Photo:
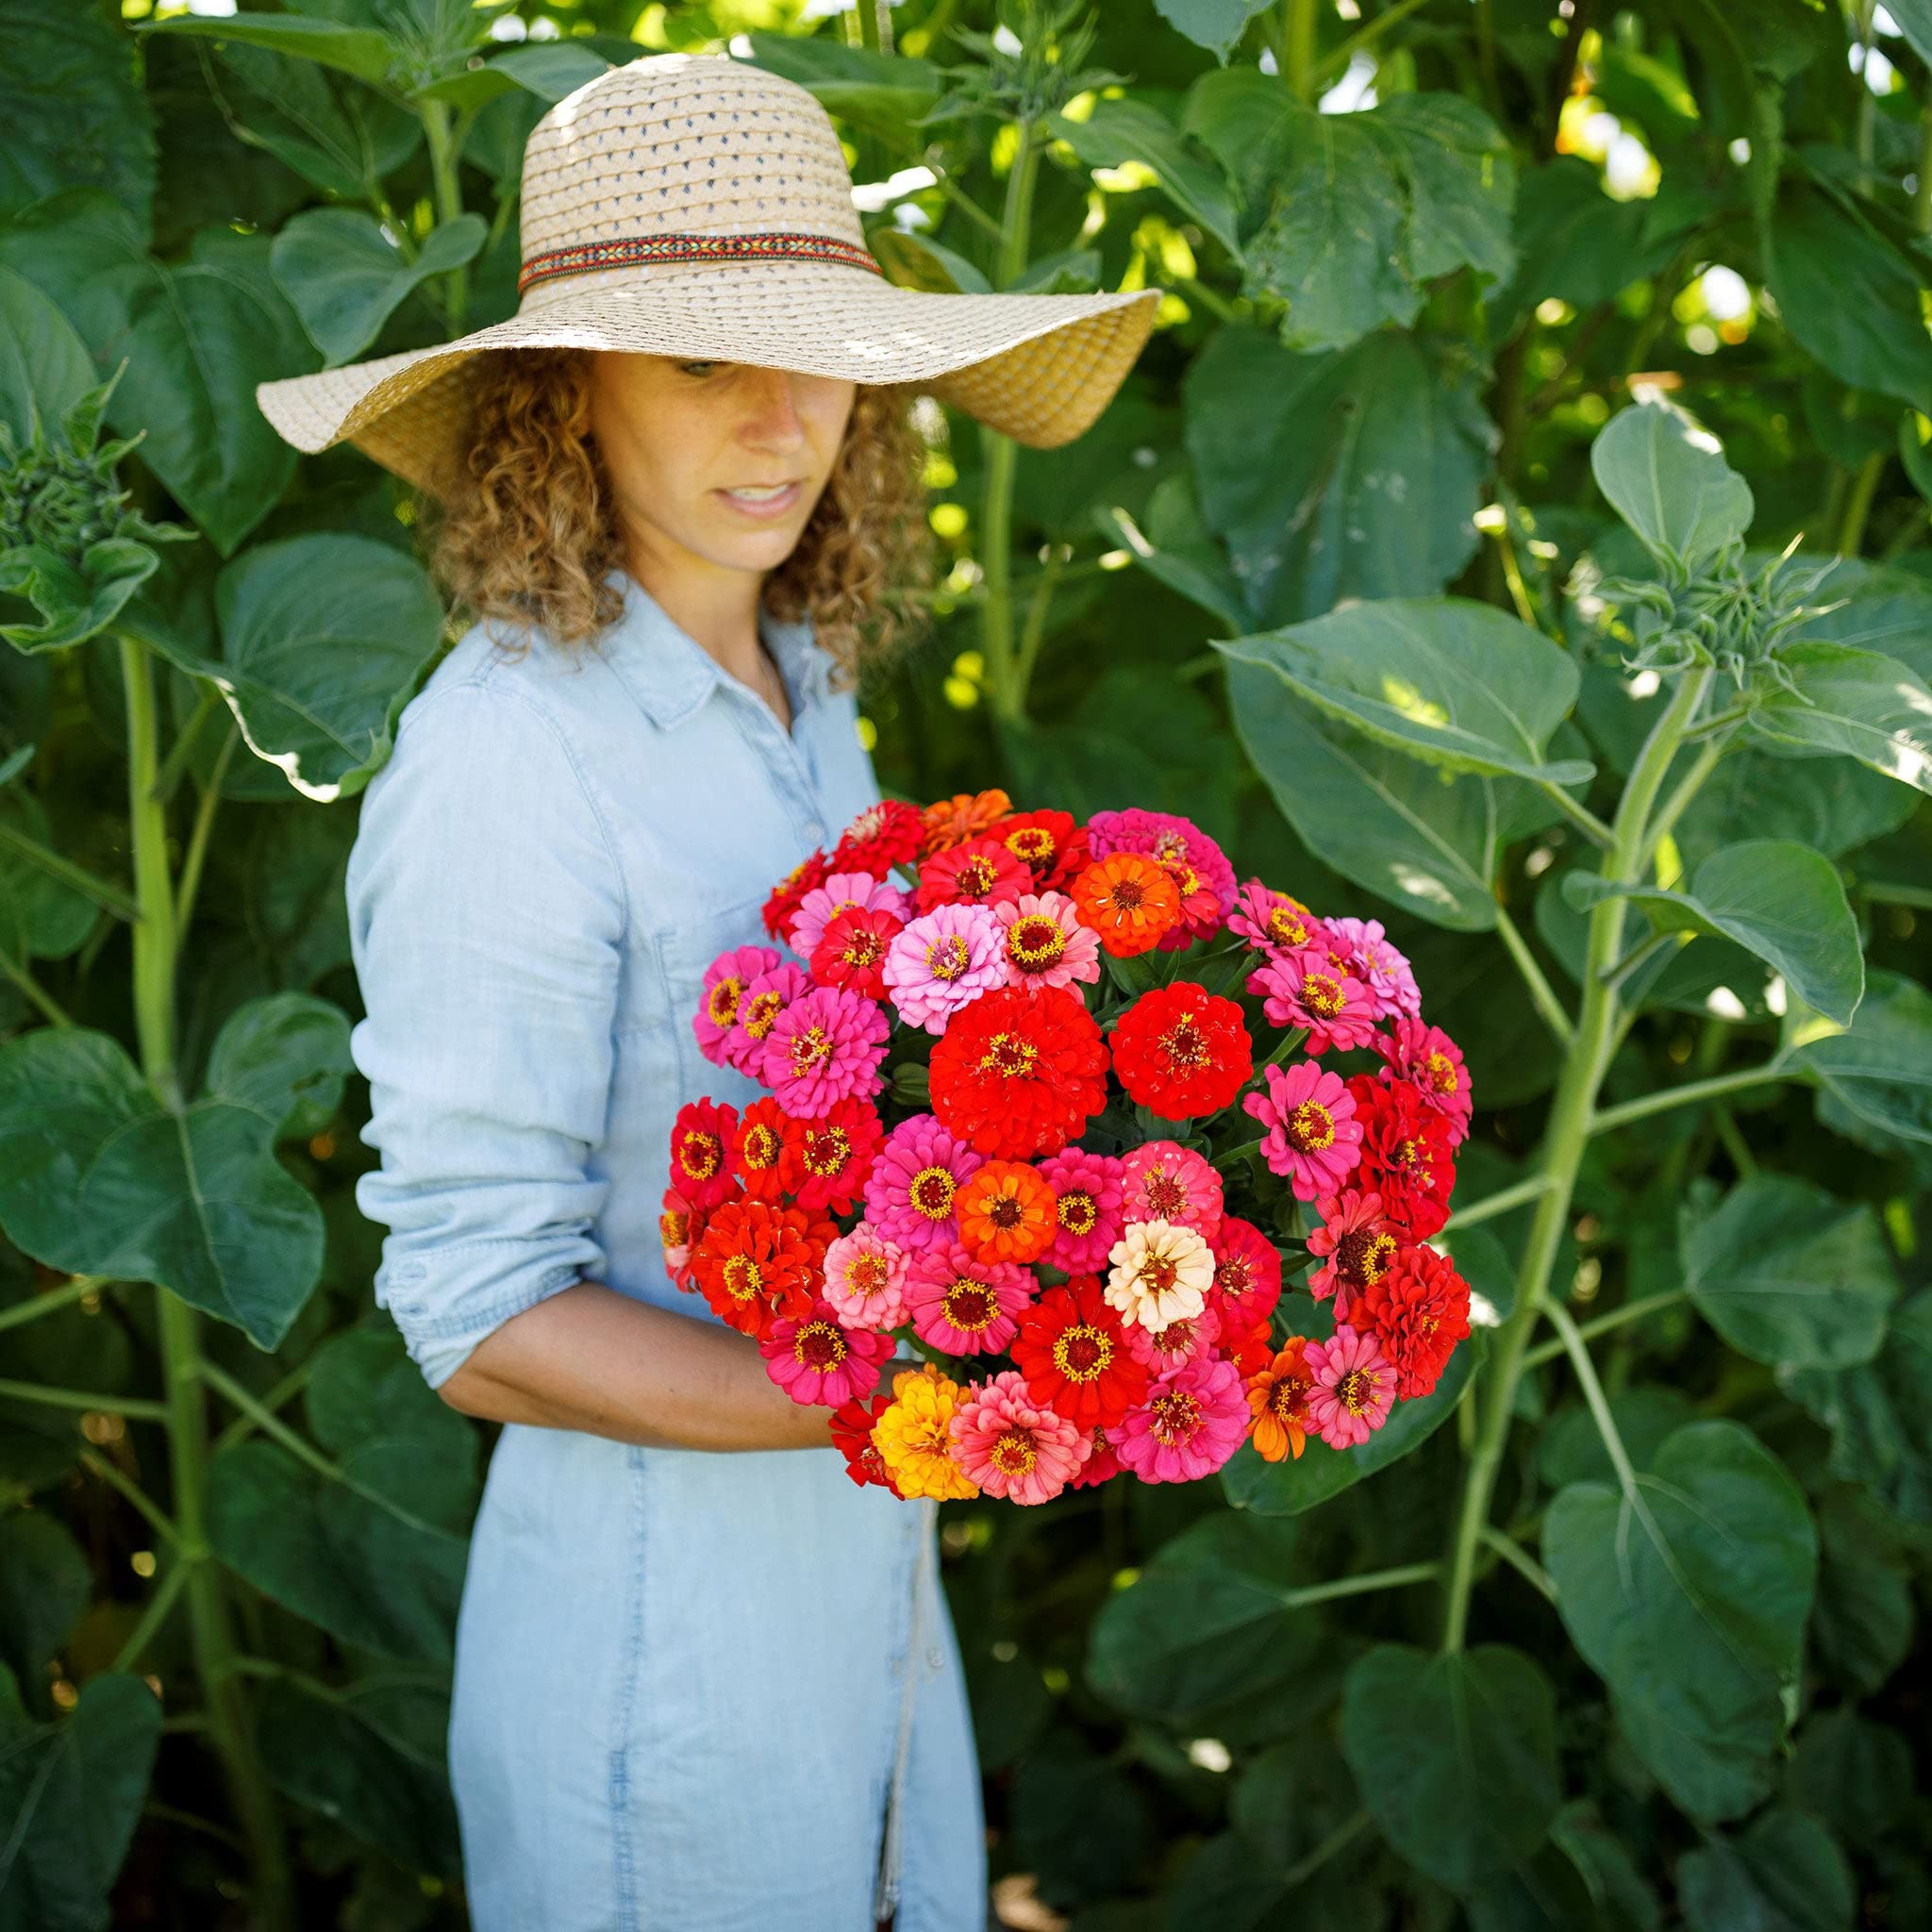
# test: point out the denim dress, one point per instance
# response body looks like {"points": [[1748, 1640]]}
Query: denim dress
{"points": [[695, 1692]]}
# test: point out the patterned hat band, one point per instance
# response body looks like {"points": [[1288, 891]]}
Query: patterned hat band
{"points": [[628, 251]]}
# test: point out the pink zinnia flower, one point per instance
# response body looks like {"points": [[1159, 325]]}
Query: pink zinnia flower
{"points": [[865, 1278], [1355, 1243], [910, 1192], [1194, 1418], [841, 892], [1043, 943], [1102, 1463], [1355, 1386], [963, 1305], [942, 961], [1165, 1181], [1012, 1446], [1361, 948], [1313, 1139], [1304, 989], [1181, 1341], [825, 1047], [765, 997], [1272, 922], [1247, 1276], [1088, 1198], [725, 980], [1432, 1063], [816, 1358]]}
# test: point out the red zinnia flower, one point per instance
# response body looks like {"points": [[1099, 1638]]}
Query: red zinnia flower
{"points": [[881, 836], [1048, 844], [1182, 1051], [1104, 1462], [1019, 1074], [823, 1162], [1247, 1274], [790, 891], [679, 1227], [752, 1151], [1407, 1156], [852, 1426], [853, 952], [1251, 1353], [1419, 1310], [1074, 1354], [1356, 1244], [1433, 1063], [754, 1263], [981, 872], [699, 1139]]}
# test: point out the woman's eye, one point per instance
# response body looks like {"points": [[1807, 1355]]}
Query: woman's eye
{"points": [[698, 368]]}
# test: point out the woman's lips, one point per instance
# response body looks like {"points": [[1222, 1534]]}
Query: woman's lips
{"points": [[762, 503]]}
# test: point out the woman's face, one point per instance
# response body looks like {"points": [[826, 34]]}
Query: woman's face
{"points": [[717, 460]]}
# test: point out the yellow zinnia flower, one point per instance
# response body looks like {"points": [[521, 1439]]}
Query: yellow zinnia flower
{"points": [[914, 1436]]}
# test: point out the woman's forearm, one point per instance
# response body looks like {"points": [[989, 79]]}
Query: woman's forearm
{"points": [[595, 1360]]}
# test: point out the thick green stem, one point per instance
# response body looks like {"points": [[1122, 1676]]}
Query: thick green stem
{"points": [[154, 928], [1296, 57], [1565, 1138], [446, 186], [1851, 530]]}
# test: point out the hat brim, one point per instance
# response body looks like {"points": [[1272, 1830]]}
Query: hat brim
{"points": [[1037, 367]]}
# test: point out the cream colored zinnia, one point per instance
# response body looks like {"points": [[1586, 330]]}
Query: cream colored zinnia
{"points": [[1161, 1273]]}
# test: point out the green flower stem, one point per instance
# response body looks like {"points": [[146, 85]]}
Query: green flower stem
{"points": [[1690, 1094], [171, 1584], [50, 1009], [175, 763], [1688, 788], [1336, 60], [1502, 1202], [185, 1411], [1572, 1345], [1296, 55], [1565, 1138], [204, 823], [445, 184], [102, 892], [136, 1408], [1850, 530], [1612, 1318], [1359, 1586], [157, 1518], [1520, 1561], [1541, 992], [53, 1298], [1577, 813], [243, 1425]]}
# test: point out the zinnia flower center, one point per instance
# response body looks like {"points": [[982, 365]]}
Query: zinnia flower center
{"points": [[1127, 895], [1441, 1073], [868, 1273], [702, 1154], [1235, 1276], [864, 948], [1322, 995], [1362, 1256], [1082, 1352], [969, 1306], [819, 1345], [1176, 1416], [1286, 927], [759, 1011], [977, 878], [1158, 1274], [723, 1006], [948, 957], [1413, 1158], [1032, 843], [1008, 1053], [759, 1149], [1006, 1211], [1036, 942], [1164, 1194], [743, 1278], [811, 1050], [673, 1227], [1356, 1392], [932, 1191], [1178, 1338], [1289, 1398], [1184, 1043], [867, 825], [1012, 1453], [826, 1150], [1310, 1128], [1077, 1212]]}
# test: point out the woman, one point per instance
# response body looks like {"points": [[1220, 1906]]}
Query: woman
{"points": [[694, 1689]]}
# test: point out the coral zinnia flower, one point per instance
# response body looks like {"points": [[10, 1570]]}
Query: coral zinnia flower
{"points": [[1432, 1063], [825, 1047], [1306, 989], [943, 960], [1355, 1386], [824, 1163], [1419, 1310], [788, 894], [1278, 1402], [963, 1305], [914, 1184], [1355, 1243], [1407, 1153], [1164, 1181], [1161, 1271], [1129, 900], [852, 1425], [754, 1262], [852, 952], [1013, 1446], [1247, 1274], [1275, 923], [1073, 1352], [1089, 1194], [981, 872], [765, 997], [914, 1436], [1313, 1139], [1019, 1074], [679, 1224], [1048, 844], [1100, 1465], [965, 815], [865, 1278], [1361, 948], [1181, 1051], [881, 836], [815, 1357], [843, 891], [1006, 1212], [755, 1150], [1252, 1351], [1194, 1418], [1044, 942], [699, 1137], [1181, 1341], [725, 979]]}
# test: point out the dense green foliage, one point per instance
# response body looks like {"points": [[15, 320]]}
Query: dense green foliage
{"points": [[1516, 529]]}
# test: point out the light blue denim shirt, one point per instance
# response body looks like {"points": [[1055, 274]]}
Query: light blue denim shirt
{"points": [[687, 1683]]}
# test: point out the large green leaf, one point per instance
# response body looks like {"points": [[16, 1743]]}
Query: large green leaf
{"points": [[98, 1178], [1779, 900], [70, 1794], [1783, 1873], [42, 916], [1855, 1774], [1128, 130], [44, 1586], [1855, 703], [1862, 1623], [1879, 1069], [1455, 683], [1216, 25], [1690, 1598], [363, 51], [1455, 1755], [1831, 805], [45, 367], [885, 92], [1666, 477], [1787, 1274], [1350, 475], [346, 280]]}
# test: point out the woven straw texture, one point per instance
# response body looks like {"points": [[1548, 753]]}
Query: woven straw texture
{"points": [[705, 145]]}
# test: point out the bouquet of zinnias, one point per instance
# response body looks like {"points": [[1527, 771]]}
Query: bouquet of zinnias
{"points": [[1012, 1110]]}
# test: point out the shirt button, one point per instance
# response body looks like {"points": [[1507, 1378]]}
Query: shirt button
{"points": [[814, 831]]}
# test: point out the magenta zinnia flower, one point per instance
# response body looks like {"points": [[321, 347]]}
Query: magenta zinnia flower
{"points": [[725, 980], [910, 1192], [1089, 1199], [840, 893], [1015, 1447], [1306, 989], [1181, 1341], [1355, 1386], [963, 1305], [825, 1047], [1431, 1062], [1313, 1141], [1272, 922], [815, 1357], [1165, 1181], [865, 1278], [1361, 948], [765, 997], [1043, 943], [1194, 1418], [943, 959]]}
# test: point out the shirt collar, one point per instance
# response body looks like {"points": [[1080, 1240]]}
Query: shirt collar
{"points": [[670, 675]]}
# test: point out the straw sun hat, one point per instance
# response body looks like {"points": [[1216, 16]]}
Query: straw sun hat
{"points": [[693, 206]]}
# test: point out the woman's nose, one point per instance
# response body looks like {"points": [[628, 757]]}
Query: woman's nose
{"points": [[774, 421]]}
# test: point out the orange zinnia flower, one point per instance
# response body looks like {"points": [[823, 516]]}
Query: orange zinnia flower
{"points": [[1007, 1212], [1278, 1400], [965, 815], [1129, 900]]}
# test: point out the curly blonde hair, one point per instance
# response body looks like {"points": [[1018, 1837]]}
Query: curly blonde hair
{"points": [[527, 534]]}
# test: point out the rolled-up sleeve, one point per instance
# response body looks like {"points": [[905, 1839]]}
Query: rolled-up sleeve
{"points": [[487, 919]]}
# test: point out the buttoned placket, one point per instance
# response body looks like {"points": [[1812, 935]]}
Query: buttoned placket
{"points": [[782, 752]]}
